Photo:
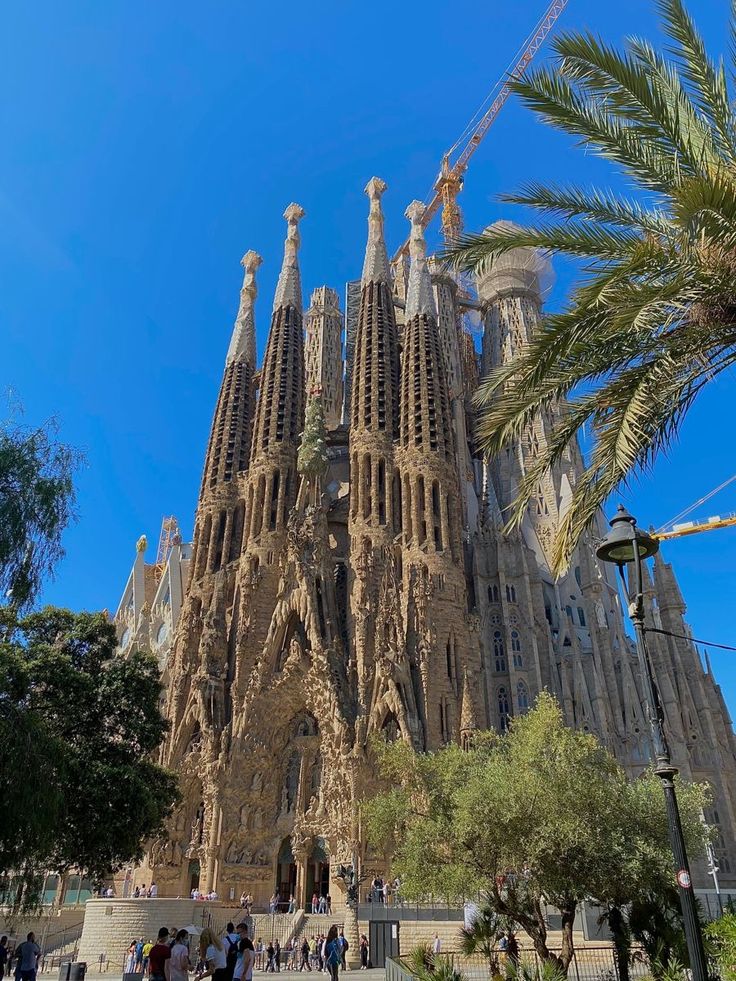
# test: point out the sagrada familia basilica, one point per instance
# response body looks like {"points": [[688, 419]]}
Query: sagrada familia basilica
{"points": [[350, 575]]}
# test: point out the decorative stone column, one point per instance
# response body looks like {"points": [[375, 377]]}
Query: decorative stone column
{"points": [[300, 859]]}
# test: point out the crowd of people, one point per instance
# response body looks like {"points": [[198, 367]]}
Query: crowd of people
{"points": [[210, 896], [235, 956], [383, 891], [230, 957]]}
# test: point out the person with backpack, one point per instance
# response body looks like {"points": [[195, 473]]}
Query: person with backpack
{"points": [[332, 952], [230, 941]]}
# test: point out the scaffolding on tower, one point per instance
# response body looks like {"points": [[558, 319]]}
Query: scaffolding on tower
{"points": [[170, 536]]}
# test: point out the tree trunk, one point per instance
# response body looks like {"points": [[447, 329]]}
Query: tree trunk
{"points": [[621, 942], [568, 948]]}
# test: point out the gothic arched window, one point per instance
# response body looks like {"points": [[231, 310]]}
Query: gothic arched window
{"points": [[515, 641], [511, 594], [504, 710], [499, 651], [522, 697]]}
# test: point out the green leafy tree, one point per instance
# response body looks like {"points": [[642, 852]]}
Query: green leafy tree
{"points": [[540, 814], [78, 730], [37, 501], [722, 935], [312, 457], [654, 319]]}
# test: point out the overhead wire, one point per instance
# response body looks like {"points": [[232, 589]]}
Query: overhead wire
{"points": [[693, 640], [691, 508]]}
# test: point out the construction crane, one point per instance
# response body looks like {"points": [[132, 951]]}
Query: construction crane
{"points": [[450, 179], [677, 528], [693, 527], [170, 536]]}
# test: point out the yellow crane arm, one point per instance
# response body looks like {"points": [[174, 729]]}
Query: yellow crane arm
{"points": [[694, 527], [450, 179]]}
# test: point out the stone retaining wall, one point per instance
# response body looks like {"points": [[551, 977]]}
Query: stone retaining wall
{"points": [[111, 924]]}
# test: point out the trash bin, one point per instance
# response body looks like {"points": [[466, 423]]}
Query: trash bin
{"points": [[64, 971], [77, 971]]}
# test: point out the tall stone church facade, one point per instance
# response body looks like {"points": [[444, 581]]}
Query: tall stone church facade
{"points": [[371, 589]]}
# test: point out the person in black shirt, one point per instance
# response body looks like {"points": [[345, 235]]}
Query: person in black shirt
{"points": [[3, 956]]}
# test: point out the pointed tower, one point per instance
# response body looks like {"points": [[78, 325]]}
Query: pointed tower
{"points": [[219, 523], [280, 410], [374, 510], [438, 640], [324, 353]]}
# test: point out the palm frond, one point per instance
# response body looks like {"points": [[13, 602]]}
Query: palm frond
{"points": [[651, 100], [584, 240], [560, 103], [594, 204], [707, 82]]}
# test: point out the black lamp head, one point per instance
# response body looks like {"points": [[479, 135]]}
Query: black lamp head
{"points": [[618, 545]]}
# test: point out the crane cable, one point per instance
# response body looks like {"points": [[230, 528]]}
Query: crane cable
{"points": [[691, 508]]}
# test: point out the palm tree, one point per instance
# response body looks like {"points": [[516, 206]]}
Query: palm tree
{"points": [[653, 319]]}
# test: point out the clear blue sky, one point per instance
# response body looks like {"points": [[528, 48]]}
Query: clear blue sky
{"points": [[147, 146]]}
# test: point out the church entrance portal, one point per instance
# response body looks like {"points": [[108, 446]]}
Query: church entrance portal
{"points": [[318, 873], [285, 874]]}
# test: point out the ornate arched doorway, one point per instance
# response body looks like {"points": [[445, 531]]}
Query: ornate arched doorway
{"points": [[318, 871], [285, 873]]}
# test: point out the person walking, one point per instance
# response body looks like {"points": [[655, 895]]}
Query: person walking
{"points": [[246, 954], [212, 952], [230, 941], [179, 964], [344, 945], [130, 958], [277, 956], [304, 965], [363, 952], [139, 956], [147, 947], [269, 957], [437, 944], [332, 952], [159, 955]]}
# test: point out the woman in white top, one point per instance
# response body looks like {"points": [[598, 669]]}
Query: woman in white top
{"points": [[213, 954], [179, 963]]}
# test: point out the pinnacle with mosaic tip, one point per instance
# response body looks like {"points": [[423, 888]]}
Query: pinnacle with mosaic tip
{"points": [[243, 342], [419, 293], [375, 267], [289, 287]]}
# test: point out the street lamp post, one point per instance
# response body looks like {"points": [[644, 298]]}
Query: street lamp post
{"points": [[626, 544]]}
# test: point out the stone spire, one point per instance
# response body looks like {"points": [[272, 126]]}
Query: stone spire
{"points": [[375, 266], [375, 370], [243, 342], [426, 420], [419, 294], [280, 411], [228, 449], [289, 287]]}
